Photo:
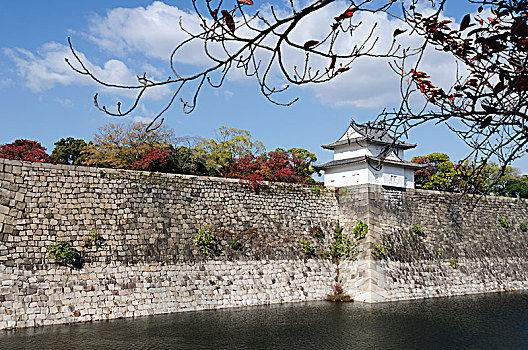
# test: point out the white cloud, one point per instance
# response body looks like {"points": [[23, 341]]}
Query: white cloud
{"points": [[227, 94], [47, 68], [66, 102], [6, 82], [153, 31], [140, 119]]}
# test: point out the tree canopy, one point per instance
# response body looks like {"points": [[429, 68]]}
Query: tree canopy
{"points": [[125, 145], [25, 150], [228, 145], [68, 151], [441, 174]]}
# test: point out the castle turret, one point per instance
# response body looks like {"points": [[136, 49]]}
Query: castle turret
{"points": [[368, 155]]}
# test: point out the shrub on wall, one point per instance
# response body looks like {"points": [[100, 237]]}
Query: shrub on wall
{"points": [[453, 262], [382, 249], [523, 227], [503, 222], [205, 241], [235, 245], [64, 254], [360, 230], [344, 246], [92, 239], [316, 232], [306, 247], [417, 230]]}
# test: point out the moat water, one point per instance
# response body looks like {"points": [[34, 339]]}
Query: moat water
{"points": [[492, 321]]}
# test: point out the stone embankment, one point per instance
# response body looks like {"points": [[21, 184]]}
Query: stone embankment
{"points": [[134, 234]]}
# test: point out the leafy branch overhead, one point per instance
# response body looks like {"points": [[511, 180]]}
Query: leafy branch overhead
{"points": [[485, 106]]}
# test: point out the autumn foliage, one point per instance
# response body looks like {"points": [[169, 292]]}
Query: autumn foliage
{"points": [[128, 146], [279, 166], [154, 159], [28, 150], [232, 153]]}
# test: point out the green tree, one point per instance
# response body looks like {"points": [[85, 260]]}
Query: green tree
{"points": [[443, 175], [439, 173], [509, 184], [517, 187], [186, 160], [302, 159], [229, 144], [69, 151]]}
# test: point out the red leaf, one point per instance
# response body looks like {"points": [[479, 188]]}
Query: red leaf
{"points": [[347, 14], [521, 83], [230, 22], [245, 2], [310, 43], [342, 70]]}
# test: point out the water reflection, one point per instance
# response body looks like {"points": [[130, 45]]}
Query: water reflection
{"points": [[494, 321]]}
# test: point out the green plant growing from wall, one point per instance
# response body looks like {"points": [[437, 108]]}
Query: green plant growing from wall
{"points": [[205, 241], [383, 249], [360, 230], [92, 239], [523, 227], [417, 230], [316, 232], [306, 247], [503, 222], [317, 189], [235, 245], [344, 246], [439, 251], [453, 262], [64, 254]]}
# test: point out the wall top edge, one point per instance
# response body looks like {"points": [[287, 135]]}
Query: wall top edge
{"points": [[373, 188], [96, 171]]}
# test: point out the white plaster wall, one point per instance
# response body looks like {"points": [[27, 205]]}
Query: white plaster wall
{"points": [[409, 178], [352, 151], [361, 173], [348, 175], [392, 176]]}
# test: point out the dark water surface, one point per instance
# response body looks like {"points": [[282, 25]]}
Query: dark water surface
{"points": [[493, 321]]}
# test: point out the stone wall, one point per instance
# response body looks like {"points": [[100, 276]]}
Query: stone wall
{"points": [[146, 262], [462, 249]]}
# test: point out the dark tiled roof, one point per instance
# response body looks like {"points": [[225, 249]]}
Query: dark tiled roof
{"points": [[362, 159], [370, 134]]}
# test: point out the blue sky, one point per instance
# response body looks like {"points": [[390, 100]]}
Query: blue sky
{"points": [[42, 100]]}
